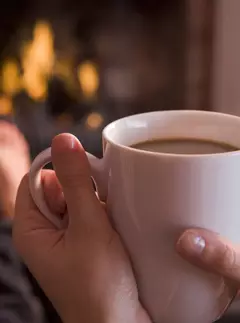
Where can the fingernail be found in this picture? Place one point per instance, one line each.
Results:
(191, 243)
(65, 141)
(73, 142)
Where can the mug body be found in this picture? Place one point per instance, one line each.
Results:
(152, 197)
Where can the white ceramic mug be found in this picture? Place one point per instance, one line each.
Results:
(153, 197)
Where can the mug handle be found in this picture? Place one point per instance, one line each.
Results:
(36, 187)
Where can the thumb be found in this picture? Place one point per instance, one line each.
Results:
(211, 252)
(74, 174)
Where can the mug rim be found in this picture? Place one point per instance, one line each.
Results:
(130, 149)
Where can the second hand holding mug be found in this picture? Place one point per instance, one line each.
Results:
(152, 197)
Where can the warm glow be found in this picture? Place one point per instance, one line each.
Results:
(88, 79)
(38, 60)
(6, 107)
(41, 51)
(94, 120)
(10, 78)
(65, 119)
(63, 70)
(35, 84)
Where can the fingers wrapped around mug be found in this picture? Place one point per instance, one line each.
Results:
(210, 251)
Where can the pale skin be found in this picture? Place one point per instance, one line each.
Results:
(14, 164)
(98, 285)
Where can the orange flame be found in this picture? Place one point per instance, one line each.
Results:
(11, 82)
(37, 61)
(88, 79)
(6, 106)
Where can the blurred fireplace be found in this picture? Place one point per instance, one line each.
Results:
(75, 66)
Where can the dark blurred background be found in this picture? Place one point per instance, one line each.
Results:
(75, 66)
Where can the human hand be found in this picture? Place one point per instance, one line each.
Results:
(98, 284)
(213, 253)
(83, 269)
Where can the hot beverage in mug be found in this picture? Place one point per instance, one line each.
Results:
(184, 146)
(163, 172)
